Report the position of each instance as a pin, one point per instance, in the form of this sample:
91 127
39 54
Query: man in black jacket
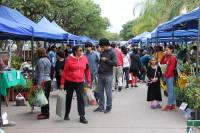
105 75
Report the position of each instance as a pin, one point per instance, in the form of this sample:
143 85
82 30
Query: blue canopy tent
66 36
87 39
188 21
16 31
12 30
70 36
137 38
40 33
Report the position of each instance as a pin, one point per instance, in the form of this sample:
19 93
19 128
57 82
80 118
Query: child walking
154 74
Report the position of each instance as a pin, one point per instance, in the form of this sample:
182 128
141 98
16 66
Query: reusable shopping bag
61 103
42 100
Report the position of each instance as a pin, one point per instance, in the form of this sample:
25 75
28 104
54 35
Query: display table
5 83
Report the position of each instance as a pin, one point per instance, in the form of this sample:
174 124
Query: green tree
112 36
126 33
154 12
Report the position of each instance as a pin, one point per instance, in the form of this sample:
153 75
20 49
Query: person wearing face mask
93 59
169 60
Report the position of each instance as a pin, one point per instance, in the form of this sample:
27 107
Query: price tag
183 106
18 75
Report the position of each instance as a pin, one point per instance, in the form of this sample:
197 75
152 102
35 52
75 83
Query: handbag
149 82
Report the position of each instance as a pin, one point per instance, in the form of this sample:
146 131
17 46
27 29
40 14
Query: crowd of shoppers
110 64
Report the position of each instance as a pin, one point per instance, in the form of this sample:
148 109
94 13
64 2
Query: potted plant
185 69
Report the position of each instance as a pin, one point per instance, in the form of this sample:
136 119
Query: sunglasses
80 50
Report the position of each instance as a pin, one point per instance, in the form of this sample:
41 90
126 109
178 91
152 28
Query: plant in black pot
21 88
15 89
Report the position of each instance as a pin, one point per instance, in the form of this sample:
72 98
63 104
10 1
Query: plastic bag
35 102
93 103
131 80
90 95
42 100
61 103
85 100
20 100
94 86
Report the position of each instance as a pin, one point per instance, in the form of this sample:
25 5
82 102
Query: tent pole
32 54
197 72
157 44
74 42
24 51
68 41
45 44
173 36
10 50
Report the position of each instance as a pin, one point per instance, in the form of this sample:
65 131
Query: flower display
35 89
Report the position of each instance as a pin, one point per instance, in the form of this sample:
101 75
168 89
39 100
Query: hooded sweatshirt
106 68
93 59
75 69
135 62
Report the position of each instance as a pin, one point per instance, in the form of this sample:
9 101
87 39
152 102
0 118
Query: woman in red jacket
73 77
171 61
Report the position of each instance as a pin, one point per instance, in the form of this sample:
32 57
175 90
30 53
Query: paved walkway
131 113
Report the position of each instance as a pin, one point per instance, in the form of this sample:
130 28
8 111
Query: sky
118 12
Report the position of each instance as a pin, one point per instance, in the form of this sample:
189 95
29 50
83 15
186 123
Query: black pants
58 79
70 87
126 71
52 72
143 73
45 109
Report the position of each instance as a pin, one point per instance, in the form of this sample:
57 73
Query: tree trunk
19 48
38 44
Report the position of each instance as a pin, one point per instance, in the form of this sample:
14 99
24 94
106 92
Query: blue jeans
171 92
92 78
105 82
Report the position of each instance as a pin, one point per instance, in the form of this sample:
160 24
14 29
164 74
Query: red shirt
66 53
120 58
75 69
171 66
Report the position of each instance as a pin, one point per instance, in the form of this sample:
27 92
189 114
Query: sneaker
42 117
167 108
107 110
99 110
131 85
143 82
135 86
119 88
153 106
138 80
83 120
115 87
173 107
127 88
66 117
39 114
158 106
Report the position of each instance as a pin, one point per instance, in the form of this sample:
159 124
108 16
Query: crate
24 94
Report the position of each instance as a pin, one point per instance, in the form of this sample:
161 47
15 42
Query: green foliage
126 33
15 65
154 12
79 17
112 36
185 67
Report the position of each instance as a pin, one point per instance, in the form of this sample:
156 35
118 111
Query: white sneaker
127 88
74 97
